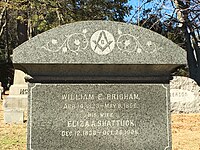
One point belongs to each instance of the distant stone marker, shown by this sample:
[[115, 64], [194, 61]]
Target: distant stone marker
[[19, 77], [1, 91], [99, 85], [16, 102], [185, 95]]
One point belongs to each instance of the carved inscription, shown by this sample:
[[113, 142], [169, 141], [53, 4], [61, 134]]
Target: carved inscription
[[23, 91], [98, 116], [108, 117]]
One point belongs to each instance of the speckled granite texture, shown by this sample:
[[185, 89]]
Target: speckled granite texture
[[99, 117], [99, 49], [99, 42], [100, 114]]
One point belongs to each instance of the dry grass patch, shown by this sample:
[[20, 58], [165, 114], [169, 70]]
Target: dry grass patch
[[186, 131], [12, 136]]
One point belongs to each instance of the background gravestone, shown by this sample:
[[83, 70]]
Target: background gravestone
[[185, 95], [1, 91], [15, 104], [99, 85]]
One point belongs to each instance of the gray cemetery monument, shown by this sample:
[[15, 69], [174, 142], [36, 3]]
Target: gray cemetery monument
[[99, 85]]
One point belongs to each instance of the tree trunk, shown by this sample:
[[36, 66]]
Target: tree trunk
[[22, 28], [193, 51], [191, 59], [23, 24]]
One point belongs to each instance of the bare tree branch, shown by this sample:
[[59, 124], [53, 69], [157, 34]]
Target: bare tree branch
[[1, 20], [2, 28]]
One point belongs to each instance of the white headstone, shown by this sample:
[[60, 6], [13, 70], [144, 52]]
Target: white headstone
[[19, 77], [16, 102], [185, 95], [1, 90]]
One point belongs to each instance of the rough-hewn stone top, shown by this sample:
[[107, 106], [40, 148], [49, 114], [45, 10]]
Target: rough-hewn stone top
[[99, 42]]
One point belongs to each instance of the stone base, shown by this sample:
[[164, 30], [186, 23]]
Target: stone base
[[186, 107], [18, 102], [13, 116]]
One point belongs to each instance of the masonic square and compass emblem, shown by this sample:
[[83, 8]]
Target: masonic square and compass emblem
[[102, 42]]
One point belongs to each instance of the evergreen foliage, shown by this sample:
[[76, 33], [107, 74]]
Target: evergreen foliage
[[22, 19]]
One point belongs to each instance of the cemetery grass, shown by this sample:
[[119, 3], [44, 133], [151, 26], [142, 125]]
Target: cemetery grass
[[185, 133]]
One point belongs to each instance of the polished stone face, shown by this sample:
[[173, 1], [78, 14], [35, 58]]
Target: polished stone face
[[99, 117], [99, 42], [99, 51]]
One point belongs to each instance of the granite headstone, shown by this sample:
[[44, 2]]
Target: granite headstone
[[99, 85]]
